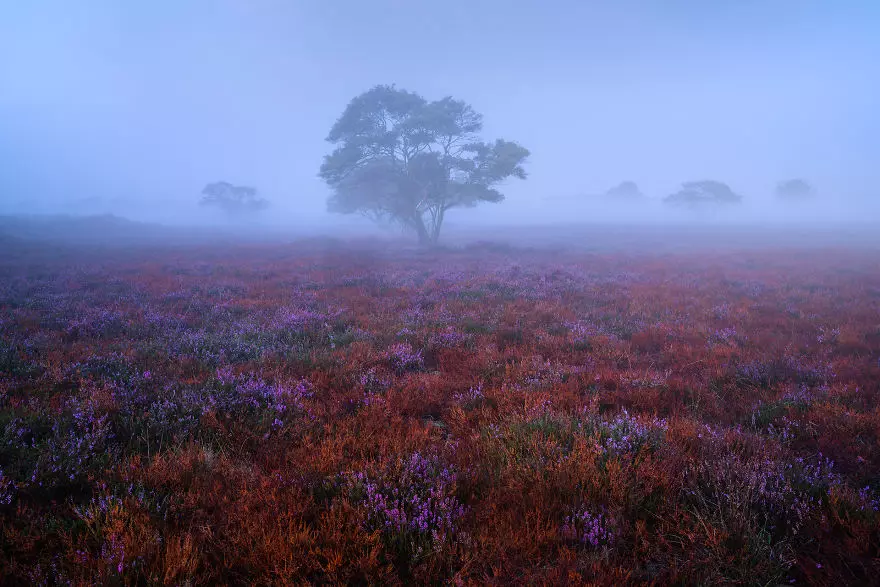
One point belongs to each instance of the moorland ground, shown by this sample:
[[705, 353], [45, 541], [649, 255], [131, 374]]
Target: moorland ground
[[317, 411]]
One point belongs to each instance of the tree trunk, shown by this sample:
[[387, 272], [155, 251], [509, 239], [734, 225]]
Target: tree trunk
[[421, 231], [438, 222]]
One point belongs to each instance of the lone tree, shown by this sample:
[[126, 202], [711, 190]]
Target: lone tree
[[700, 193], [794, 189], [627, 190], [233, 199], [403, 159]]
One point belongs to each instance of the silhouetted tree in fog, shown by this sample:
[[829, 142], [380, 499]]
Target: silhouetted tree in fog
[[232, 199], [794, 189], [701, 193], [401, 158], [627, 190]]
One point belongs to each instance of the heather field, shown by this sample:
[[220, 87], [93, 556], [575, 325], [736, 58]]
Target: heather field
[[319, 413]]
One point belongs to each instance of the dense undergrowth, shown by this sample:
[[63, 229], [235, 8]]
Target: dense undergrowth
[[302, 414]]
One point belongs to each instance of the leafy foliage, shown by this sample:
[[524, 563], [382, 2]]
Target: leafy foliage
[[625, 191], [702, 193], [794, 189], [401, 158], [232, 199]]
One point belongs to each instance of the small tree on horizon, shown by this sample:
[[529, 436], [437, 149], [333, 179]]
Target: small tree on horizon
[[702, 193], [627, 190], [794, 189], [232, 199], [403, 159]]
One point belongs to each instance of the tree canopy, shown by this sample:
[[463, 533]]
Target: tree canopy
[[699, 193], [627, 190], [794, 189], [232, 198], [401, 158]]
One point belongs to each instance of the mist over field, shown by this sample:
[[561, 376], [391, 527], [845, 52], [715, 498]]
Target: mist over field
[[131, 109], [439, 293]]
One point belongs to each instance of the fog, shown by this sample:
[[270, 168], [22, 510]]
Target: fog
[[130, 108]]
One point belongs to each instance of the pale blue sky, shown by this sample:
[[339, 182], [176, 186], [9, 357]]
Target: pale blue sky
[[146, 101]]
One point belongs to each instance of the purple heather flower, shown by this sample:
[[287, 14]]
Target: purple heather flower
[[415, 497], [404, 358], [589, 529]]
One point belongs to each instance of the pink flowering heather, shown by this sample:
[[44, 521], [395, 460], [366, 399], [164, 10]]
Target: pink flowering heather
[[665, 408], [589, 529], [403, 358], [415, 498]]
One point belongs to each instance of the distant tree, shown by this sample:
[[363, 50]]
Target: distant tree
[[701, 193], [794, 189], [403, 159], [232, 199], [627, 190]]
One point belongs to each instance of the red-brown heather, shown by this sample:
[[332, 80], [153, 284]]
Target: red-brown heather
[[310, 414]]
